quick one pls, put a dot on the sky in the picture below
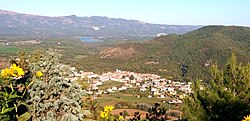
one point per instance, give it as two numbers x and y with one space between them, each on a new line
173 12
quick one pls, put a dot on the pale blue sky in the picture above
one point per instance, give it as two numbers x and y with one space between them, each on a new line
184 12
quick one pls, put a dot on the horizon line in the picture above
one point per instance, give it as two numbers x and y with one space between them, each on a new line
15 12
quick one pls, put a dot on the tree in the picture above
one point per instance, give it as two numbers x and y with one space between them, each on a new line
131 77
183 68
53 95
225 97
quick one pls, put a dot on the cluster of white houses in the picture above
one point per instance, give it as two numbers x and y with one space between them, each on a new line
157 86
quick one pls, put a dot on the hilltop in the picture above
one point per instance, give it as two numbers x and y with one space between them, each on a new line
26 25
197 50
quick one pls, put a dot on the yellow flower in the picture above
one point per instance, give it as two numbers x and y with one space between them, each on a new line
39 74
247 118
104 114
5 73
16 71
121 118
108 108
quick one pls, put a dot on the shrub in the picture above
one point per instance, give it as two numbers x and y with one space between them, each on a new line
14 84
53 95
121 104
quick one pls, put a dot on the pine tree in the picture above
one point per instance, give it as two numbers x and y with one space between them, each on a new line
54 97
226 96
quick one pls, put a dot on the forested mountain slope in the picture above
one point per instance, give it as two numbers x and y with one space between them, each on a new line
197 50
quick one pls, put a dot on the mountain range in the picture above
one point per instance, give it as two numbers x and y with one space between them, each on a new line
27 25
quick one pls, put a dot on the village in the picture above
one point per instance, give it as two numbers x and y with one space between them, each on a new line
156 86
20 42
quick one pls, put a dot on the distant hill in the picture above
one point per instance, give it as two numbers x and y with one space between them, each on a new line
25 25
197 50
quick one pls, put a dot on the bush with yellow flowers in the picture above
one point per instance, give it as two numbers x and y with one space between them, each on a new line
247 118
14 84
13 72
39 88
106 114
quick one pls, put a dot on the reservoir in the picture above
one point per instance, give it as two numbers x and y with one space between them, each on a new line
87 39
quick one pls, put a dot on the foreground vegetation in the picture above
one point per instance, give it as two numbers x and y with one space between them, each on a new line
226 96
36 88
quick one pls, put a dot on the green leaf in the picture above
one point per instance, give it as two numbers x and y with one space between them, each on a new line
4 118
23 103
24 117
7 110
15 96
